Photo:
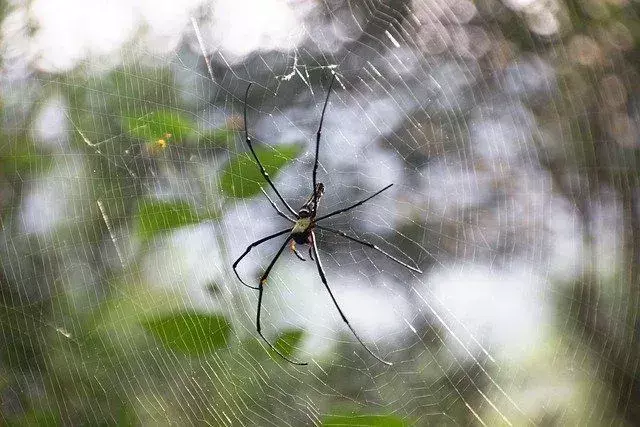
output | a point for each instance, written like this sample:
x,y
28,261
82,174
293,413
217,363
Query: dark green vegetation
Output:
x,y
87,338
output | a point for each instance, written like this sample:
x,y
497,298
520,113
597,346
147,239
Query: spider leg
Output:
x,y
344,318
352,206
263,280
295,251
370,245
318,134
282,214
251,246
311,253
255,156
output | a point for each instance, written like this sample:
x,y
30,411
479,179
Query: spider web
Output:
x,y
511,147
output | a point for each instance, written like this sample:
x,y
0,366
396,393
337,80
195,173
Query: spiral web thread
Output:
x,y
421,101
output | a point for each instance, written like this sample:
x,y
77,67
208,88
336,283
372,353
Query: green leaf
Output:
x,y
41,418
22,158
156,216
241,177
364,420
165,125
192,333
221,137
288,341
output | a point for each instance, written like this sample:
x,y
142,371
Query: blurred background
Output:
x,y
510,128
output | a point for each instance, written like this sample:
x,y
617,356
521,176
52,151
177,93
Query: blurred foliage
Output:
x,y
242,179
193,333
288,341
222,137
159,125
108,357
364,420
158,216
24,157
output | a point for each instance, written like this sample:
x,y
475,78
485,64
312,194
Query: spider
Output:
x,y
304,222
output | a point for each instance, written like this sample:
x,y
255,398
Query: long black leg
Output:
x,y
318,134
255,156
263,279
370,245
326,285
282,214
352,206
251,246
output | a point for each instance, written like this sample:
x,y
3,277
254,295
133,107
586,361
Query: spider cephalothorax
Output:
x,y
303,231
306,215
303,226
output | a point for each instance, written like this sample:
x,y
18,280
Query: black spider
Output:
x,y
304,221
